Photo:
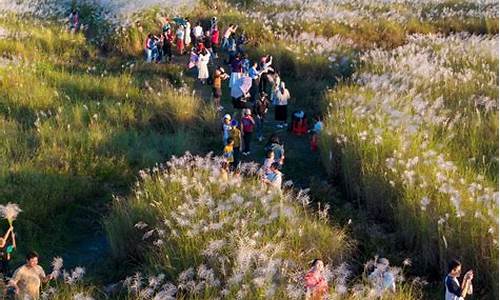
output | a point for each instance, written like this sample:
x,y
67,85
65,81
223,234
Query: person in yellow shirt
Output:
x,y
28,278
224,171
229,151
235,133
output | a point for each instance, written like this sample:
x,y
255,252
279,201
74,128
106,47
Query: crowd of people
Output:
x,y
254,86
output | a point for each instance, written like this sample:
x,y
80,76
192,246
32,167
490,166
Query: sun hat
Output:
x,y
227,116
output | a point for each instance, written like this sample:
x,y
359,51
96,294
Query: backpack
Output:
x,y
278,150
260,107
247,125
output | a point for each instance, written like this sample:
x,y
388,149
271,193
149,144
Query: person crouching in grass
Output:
x,y
274,178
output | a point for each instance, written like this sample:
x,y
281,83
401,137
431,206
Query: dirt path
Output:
x,y
301,165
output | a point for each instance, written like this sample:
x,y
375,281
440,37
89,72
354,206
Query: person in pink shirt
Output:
x,y
315,283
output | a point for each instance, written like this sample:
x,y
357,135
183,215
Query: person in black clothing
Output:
x,y
207,43
166,48
260,111
240,42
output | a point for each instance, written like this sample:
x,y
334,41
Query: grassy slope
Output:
x,y
77,126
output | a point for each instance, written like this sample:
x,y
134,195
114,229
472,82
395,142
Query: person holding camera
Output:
x,y
453,289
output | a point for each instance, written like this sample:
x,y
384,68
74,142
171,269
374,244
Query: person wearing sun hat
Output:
x,y
226,128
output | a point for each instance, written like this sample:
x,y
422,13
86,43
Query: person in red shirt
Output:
x,y
247,126
215,40
315,283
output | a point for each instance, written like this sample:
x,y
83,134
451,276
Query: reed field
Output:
x,y
100,147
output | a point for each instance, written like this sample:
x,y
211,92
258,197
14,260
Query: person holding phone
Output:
x,y
453,289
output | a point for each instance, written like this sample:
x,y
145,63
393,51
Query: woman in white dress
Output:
x,y
203,59
187,33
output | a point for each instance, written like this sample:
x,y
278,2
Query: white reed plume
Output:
x,y
10,211
57,264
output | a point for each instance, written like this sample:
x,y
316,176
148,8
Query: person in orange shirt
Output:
x,y
315,283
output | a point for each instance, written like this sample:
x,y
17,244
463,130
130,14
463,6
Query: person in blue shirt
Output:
x,y
453,289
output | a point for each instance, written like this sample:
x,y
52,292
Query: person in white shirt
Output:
x,y
202,64
281,97
187,33
198,31
453,289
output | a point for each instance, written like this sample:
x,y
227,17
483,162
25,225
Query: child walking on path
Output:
x,y
229,152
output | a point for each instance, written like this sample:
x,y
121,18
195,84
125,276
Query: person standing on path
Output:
x,y
27,279
255,75
229,152
74,21
202,64
282,95
219,75
187,33
226,128
260,111
247,125
264,68
198,32
207,43
318,126
215,40
453,289
227,33
166,47
165,24
231,48
236,70
179,35
235,134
